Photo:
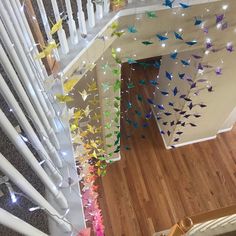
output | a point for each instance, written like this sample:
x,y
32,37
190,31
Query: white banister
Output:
x,y
106,6
99,11
14,175
233,221
225,221
28,40
47,27
215,222
28,106
18,225
16,139
71,23
198,227
10,99
91,15
24,77
81,19
31,78
61,33
20,15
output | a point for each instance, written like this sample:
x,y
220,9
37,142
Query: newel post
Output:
x,y
185,224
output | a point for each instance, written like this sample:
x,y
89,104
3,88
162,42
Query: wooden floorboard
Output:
x,y
151,187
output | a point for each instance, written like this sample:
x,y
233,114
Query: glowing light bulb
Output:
x,y
34,208
224,7
118,49
13,198
24,138
218,26
163,45
180,30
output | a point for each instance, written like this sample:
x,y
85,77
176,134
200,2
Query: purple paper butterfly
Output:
x,y
219,18
218,71
200,67
229,47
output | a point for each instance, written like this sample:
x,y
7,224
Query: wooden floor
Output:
x,y
151,187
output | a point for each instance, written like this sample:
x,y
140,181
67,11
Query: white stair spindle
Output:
x,y
91,15
99,11
16,139
71,23
20,14
10,99
226,221
31,78
28,106
81,19
212,223
106,6
15,176
199,227
47,27
233,221
18,225
7,42
25,37
61,33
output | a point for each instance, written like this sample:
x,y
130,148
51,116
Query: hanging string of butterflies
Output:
x,y
186,117
89,147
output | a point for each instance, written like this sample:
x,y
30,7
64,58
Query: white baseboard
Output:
x,y
114,159
195,141
225,130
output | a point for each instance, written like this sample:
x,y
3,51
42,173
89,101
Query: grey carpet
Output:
x,y
20,209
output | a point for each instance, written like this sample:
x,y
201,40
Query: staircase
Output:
x,y
213,223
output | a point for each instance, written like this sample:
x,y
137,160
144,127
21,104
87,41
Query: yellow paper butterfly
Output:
x,y
57,26
118,33
92,87
87,111
114,25
91,129
78,115
47,50
70,84
64,98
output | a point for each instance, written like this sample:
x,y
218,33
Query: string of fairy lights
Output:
x,y
90,149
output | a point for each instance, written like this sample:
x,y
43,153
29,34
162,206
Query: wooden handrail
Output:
x,y
211,215
184,225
